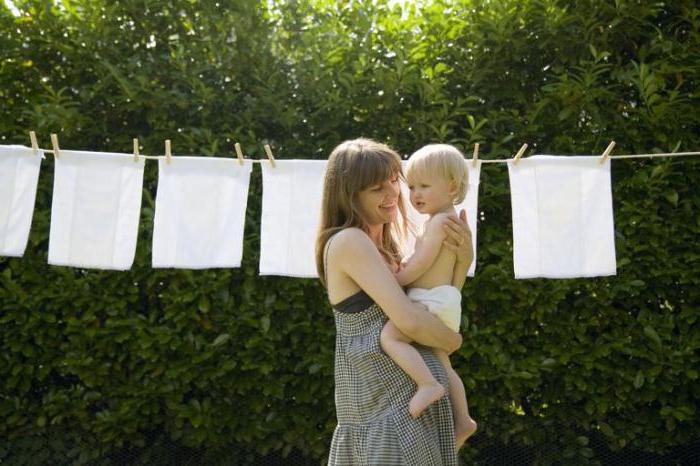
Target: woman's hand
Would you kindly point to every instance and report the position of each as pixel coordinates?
(459, 237)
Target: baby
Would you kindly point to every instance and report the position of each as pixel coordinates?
(437, 178)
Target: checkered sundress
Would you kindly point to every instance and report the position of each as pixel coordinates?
(371, 401)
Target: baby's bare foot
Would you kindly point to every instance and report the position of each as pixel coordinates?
(424, 397)
(464, 430)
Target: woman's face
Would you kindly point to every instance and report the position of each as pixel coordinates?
(380, 202)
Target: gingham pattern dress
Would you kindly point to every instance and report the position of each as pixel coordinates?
(372, 395)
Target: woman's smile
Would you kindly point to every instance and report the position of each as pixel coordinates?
(380, 202)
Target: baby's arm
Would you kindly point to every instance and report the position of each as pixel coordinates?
(426, 252)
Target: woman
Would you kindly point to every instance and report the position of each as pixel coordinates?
(356, 251)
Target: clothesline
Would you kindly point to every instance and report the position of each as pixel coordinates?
(271, 159)
(627, 156)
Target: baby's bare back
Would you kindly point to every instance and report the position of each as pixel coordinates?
(440, 272)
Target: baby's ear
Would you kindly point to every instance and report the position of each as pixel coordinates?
(454, 188)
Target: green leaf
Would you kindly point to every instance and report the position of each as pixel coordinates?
(265, 323)
(548, 362)
(204, 305)
(471, 121)
(221, 339)
(670, 424)
(593, 51)
(652, 335)
(606, 429)
(672, 197)
(658, 171)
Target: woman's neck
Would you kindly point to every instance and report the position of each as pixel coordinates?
(375, 233)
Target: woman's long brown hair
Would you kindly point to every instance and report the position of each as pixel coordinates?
(354, 166)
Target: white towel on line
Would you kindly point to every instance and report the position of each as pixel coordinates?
(291, 206)
(470, 204)
(562, 217)
(19, 175)
(95, 210)
(200, 212)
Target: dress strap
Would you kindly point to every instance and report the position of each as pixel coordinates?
(325, 259)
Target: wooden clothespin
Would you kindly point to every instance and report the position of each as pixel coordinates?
(475, 157)
(167, 151)
(136, 150)
(606, 153)
(519, 154)
(54, 143)
(268, 151)
(35, 144)
(239, 153)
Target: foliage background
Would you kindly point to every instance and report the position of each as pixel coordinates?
(145, 360)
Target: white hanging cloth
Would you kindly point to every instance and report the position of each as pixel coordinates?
(19, 176)
(95, 209)
(291, 206)
(562, 217)
(470, 204)
(200, 212)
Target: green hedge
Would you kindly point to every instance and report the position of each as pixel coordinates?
(218, 358)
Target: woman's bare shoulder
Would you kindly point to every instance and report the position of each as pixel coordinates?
(350, 251)
(350, 245)
(349, 238)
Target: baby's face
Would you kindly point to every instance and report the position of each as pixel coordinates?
(431, 194)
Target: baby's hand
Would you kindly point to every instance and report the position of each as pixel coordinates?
(396, 267)
(402, 264)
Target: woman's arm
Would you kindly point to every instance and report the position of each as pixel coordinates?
(425, 254)
(461, 268)
(459, 241)
(353, 253)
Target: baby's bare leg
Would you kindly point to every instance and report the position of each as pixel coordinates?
(398, 347)
(465, 426)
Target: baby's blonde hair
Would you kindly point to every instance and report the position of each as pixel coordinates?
(442, 160)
